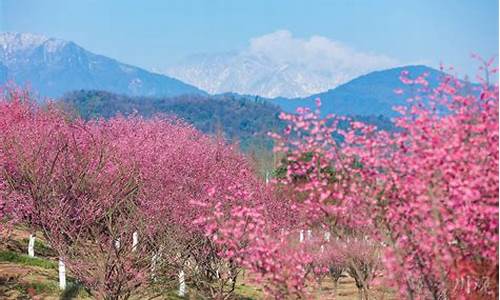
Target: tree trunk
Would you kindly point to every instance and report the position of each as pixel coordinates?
(154, 262)
(335, 288)
(362, 294)
(365, 292)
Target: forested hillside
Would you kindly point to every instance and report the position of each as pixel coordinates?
(240, 120)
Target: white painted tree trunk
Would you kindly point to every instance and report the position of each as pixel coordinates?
(267, 177)
(135, 240)
(154, 261)
(309, 234)
(327, 236)
(62, 275)
(31, 246)
(301, 236)
(117, 244)
(230, 275)
(182, 284)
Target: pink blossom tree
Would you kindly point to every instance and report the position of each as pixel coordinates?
(436, 186)
(94, 186)
(19, 112)
(429, 190)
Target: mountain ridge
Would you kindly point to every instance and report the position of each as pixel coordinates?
(241, 119)
(369, 94)
(54, 66)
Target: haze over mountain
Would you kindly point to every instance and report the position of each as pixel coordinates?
(53, 66)
(279, 65)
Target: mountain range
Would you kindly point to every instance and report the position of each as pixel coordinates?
(371, 94)
(52, 67)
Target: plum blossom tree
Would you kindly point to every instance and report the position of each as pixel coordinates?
(251, 234)
(429, 190)
(362, 261)
(18, 113)
(438, 183)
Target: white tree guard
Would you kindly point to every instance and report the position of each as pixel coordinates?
(327, 236)
(62, 275)
(182, 284)
(135, 240)
(31, 246)
(301, 236)
(154, 261)
(230, 274)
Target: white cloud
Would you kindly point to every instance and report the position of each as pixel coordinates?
(317, 53)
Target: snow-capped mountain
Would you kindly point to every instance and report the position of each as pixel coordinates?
(247, 73)
(279, 65)
(52, 67)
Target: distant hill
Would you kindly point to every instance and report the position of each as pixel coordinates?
(53, 67)
(238, 119)
(370, 94)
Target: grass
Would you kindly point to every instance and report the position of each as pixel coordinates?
(246, 289)
(74, 290)
(46, 288)
(14, 257)
(37, 288)
(247, 292)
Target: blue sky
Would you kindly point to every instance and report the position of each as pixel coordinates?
(155, 34)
